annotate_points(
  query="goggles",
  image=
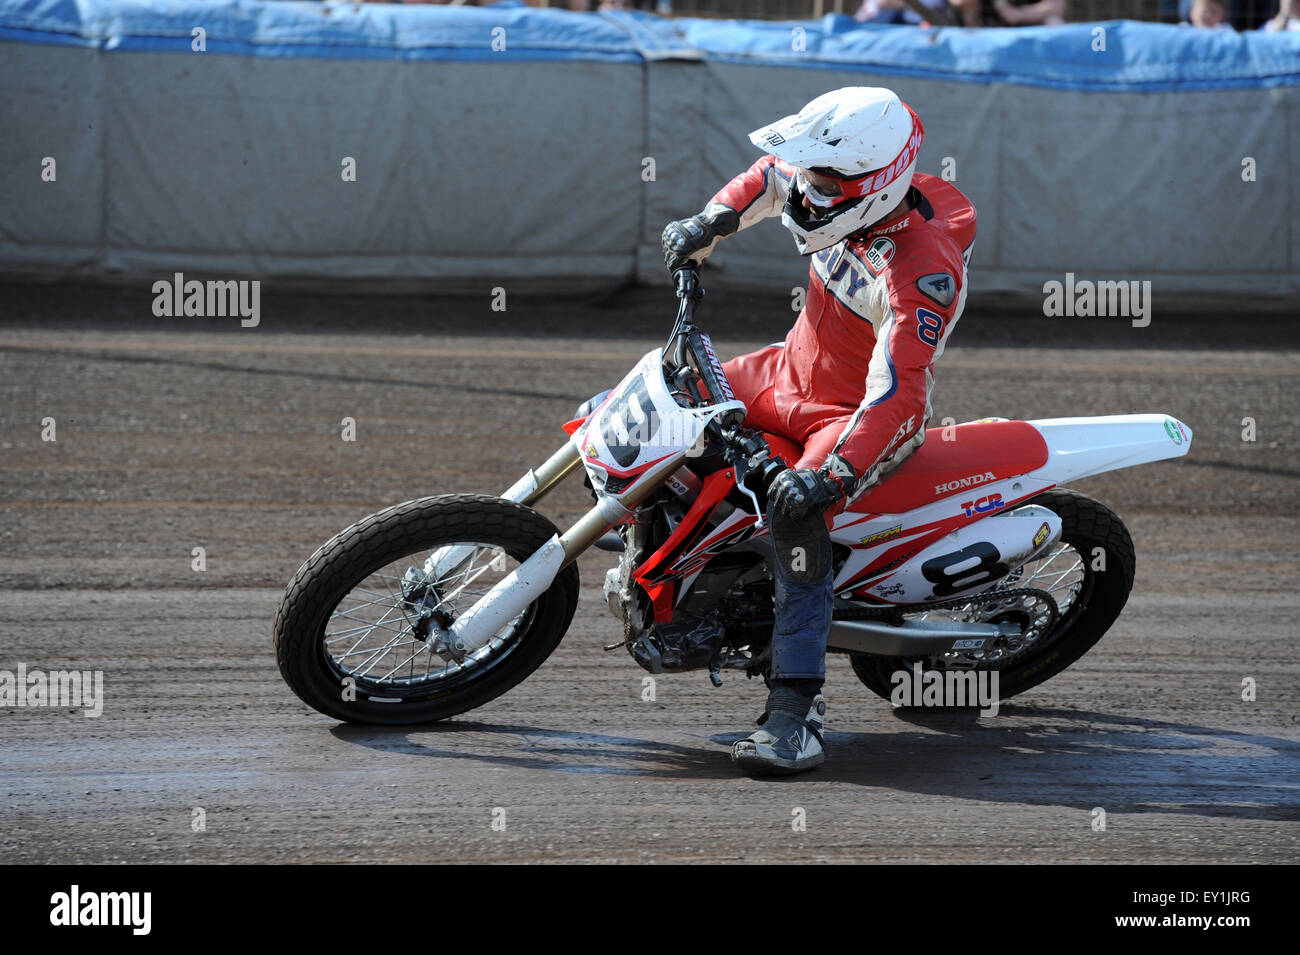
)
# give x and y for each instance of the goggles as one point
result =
(826, 189)
(822, 190)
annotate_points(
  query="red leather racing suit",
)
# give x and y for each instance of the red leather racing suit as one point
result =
(853, 376)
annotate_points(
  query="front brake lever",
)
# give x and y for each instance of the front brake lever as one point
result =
(742, 470)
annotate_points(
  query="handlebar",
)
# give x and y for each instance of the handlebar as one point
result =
(687, 282)
(688, 347)
(755, 451)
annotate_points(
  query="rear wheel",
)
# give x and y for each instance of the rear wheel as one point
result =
(356, 633)
(1089, 574)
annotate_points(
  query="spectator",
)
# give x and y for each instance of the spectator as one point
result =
(1250, 14)
(1209, 15)
(1009, 13)
(659, 6)
(1288, 17)
(900, 11)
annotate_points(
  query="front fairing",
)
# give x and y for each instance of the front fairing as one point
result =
(641, 431)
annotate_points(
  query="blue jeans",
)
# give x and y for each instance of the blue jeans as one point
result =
(804, 597)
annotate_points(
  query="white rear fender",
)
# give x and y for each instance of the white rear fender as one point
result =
(1081, 447)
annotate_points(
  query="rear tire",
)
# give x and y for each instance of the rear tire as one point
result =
(357, 555)
(1086, 525)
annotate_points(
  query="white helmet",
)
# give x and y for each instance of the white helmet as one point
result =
(854, 151)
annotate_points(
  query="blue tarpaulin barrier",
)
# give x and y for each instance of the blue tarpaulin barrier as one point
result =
(530, 146)
(1119, 55)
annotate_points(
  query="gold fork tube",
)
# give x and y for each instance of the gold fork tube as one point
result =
(536, 484)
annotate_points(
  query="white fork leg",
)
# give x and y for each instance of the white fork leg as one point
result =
(508, 599)
(477, 625)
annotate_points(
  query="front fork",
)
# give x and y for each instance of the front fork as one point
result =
(589, 528)
(536, 484)
(514, 592)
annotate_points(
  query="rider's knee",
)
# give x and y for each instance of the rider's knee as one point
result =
(802, 546)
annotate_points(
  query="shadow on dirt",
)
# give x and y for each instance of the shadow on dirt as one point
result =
(1027, 756)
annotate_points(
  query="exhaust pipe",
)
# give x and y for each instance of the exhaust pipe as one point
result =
(914, 638)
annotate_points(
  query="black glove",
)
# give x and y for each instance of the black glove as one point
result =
(797, 492)
(684, 238)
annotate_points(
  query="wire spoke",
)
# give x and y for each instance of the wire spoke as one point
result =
(1061, 573)
(336, 636)
(376, 655)
(400, 665)
(374, 636)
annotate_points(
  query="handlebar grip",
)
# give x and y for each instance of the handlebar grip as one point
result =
(687, 280)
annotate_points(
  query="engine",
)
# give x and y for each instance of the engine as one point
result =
(725, 622)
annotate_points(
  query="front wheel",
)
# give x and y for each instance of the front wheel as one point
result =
(355, 636)
(1089, 573)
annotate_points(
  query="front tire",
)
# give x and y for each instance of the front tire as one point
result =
(347, 634)
(1103, 551)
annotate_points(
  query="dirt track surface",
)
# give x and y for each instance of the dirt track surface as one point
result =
(184, 433)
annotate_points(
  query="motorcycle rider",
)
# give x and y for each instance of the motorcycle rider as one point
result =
(851, 383)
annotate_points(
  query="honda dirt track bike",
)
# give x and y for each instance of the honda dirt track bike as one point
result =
(970, 555)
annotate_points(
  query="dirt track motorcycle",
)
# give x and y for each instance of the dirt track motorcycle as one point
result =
(969, 556)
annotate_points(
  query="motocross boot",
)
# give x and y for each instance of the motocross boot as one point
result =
(786, 743)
